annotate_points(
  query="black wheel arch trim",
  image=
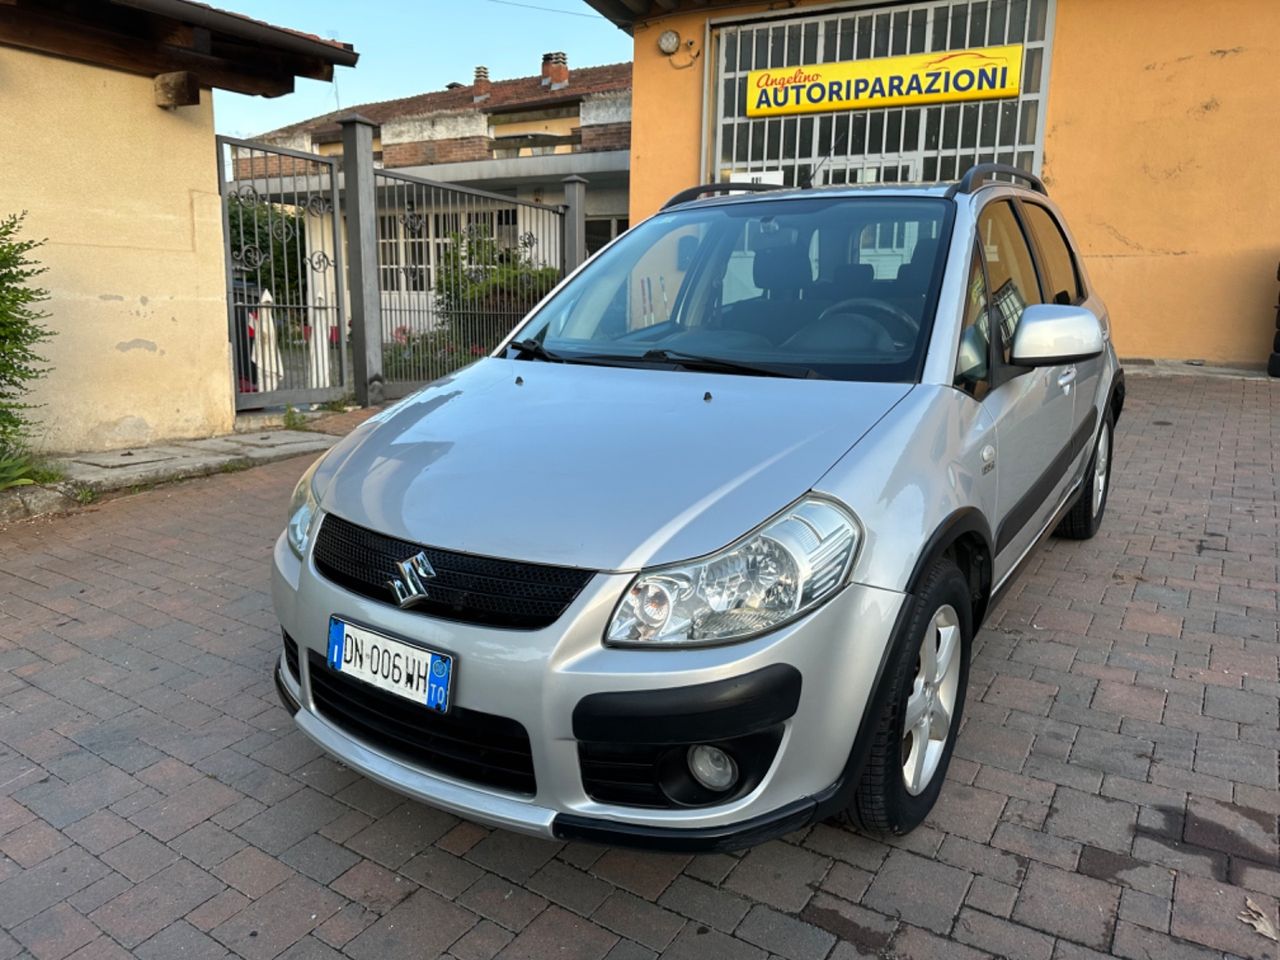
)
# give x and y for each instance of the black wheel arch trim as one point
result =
(963, 521)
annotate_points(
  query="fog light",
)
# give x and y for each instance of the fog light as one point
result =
(712, 767)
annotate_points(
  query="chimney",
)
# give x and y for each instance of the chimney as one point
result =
(480, 88)
(555, 70)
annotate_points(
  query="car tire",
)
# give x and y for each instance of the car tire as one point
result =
(1085, 518)
(886, 801)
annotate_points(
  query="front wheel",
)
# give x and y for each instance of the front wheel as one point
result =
(916, 731)
(1085, 518)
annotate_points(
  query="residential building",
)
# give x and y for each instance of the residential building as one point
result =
(519, 137)
(1148, 121)
(107, 113)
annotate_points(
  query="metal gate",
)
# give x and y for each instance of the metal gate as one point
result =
(285, 299)
(457, 269)
(927, 143)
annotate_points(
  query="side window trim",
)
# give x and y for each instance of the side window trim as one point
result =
(1029, 237)
(1038, 255)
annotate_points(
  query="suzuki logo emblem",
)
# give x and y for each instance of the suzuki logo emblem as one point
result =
(408, 587)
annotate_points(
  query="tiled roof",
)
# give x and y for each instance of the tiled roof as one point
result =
(503, 95)
(337, 44)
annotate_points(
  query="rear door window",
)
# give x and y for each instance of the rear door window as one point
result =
(1061, 277)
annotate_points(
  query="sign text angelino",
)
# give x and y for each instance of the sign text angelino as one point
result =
(986, 73)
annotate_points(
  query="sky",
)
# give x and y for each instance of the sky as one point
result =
(409, 47)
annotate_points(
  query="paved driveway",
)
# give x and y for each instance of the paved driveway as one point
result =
(1114, 791)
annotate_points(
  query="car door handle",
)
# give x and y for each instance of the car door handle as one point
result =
(1067, 378)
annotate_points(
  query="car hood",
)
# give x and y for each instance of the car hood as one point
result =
(607, 468)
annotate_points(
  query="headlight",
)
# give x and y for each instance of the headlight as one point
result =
(303, 508)
(773, 575)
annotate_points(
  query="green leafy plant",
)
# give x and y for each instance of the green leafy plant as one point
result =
(85, 495)
(483, 289)
(293, 420)
(15, 468)
(21, 331)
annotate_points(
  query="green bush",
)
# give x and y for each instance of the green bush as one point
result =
(20, 331)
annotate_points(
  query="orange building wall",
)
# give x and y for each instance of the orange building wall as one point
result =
(1162, 147)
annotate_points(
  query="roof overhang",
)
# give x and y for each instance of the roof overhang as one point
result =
(212, 48)
(626, 14)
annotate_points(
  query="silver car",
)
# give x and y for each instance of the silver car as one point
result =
(697, 556)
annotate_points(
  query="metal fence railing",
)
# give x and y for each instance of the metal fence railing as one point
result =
(457, 270)
(284, 274)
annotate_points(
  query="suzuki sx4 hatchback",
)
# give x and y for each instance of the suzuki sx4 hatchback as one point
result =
(698, 555)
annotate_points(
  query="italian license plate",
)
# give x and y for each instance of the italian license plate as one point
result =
(423, 676)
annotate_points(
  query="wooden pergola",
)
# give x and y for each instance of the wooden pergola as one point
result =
(185, 46)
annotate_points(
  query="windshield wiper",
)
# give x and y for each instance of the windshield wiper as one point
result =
(534, 350)
(693, 361)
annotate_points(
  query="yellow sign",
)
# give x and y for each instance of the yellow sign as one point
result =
(986, 73)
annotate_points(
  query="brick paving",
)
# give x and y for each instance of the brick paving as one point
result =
(1114, 790)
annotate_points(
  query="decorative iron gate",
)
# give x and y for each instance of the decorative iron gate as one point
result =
(457, 269)
(285, 298)
(926, 143)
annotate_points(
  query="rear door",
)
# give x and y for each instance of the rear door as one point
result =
(1033, 407)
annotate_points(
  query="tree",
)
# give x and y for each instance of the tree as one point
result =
(21, 330)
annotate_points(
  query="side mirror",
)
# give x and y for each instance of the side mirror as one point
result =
(1049, 334)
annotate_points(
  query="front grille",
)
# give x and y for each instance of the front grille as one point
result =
(477, 747)
(466, 588)
(291, 657)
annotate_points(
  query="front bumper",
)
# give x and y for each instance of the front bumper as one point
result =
(563, 686)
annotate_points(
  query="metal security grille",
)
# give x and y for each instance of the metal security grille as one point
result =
(936, 142)
(285, 300)
(457, 270)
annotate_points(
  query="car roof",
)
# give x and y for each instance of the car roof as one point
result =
(976, 179)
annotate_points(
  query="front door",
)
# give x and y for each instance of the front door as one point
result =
(1033, 408)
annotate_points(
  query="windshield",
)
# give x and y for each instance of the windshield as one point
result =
(831, 287)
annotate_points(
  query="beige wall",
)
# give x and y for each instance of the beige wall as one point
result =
(1161, 146)
(126, 194)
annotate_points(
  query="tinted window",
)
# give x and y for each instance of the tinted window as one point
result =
(1010, 270)
(974, 355)
(837, 286)
(1061, 279)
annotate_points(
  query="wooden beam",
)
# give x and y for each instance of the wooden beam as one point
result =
(178, 89)
(55, 32)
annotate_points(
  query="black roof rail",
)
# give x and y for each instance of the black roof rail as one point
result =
(693, 193)
(982, 173)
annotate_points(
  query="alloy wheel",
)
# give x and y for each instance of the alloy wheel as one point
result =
(1101, 463)
(932, 701)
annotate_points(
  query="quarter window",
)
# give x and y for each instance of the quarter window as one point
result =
(974, 356)
(1061, 278)
(1011, 272)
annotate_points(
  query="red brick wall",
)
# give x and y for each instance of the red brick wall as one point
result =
(606, 136)
(435, 151)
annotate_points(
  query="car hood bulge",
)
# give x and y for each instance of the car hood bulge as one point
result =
(607, 468)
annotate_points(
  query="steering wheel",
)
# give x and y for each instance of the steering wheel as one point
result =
(901, 326)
